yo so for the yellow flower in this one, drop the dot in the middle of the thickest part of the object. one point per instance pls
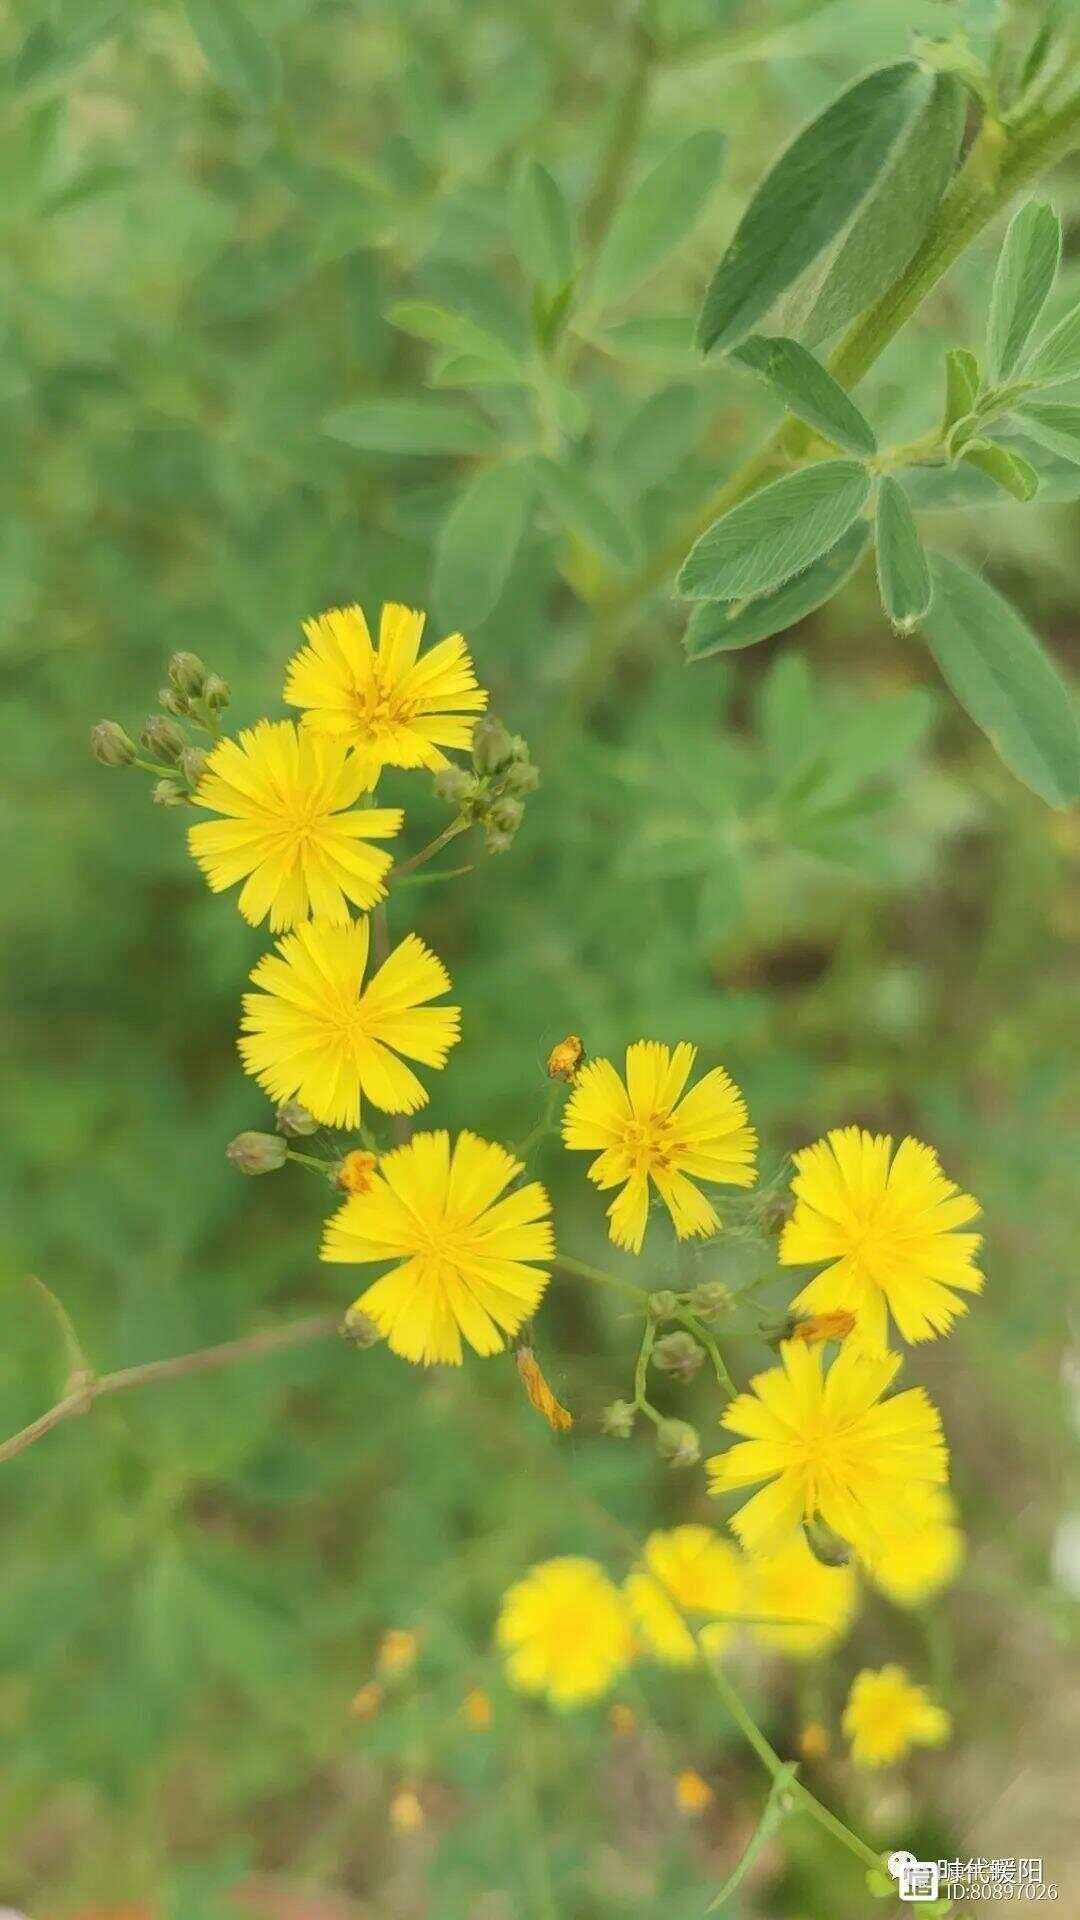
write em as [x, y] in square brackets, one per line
[813, 1741]
[398, 1650]
[406, 1811]
[792, 1585]
[702, 1574]
[395, 708]
[463, 1252]
[887, 1714]
[920, 1563]
[564, 1059]
[564, 1631]
[317, 1032]
[645, 1131]
[286, 832]
[476, 1710]
[692, 1793]
[829, 1446]
[355, 1171]
[887, 1231]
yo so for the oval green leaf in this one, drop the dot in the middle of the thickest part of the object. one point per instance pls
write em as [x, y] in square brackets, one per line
[657, 216]
[542, 227]
[805, 387]
[585, 512]
[1058, 358]
[903, 574]
[776, 533]
[1004, 467]
[723, 626]
[1026, 270]
[410, 426]
[479, 542]
[238, 54]
[961, 387]
[1053, 424]
[1001, 676]
[809, 196]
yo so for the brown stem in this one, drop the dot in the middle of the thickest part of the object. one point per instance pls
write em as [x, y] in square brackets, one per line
[251, 1346]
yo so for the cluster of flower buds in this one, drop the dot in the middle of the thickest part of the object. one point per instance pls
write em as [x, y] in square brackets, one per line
[493, 794]
[192, 694]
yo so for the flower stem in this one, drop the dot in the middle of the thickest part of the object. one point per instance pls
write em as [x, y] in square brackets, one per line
[441, 840]
[641, 1374]
[579, 1271]
[325, 1167]
[702, 1334]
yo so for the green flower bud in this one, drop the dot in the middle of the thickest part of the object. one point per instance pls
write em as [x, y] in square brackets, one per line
[520, 777]
[506, 815]
[678, 1443]
[712, 1299]
[169, 793]
[215, 692]
[519, 747]
[663, 1305]
[360, 1329]
[162, 737]
[294, 1120]
[492, 746]
[618, 1419]
[454, 785]
[110, 745]
[679, 1355]
[173, 702]
[193, 765]
[824, 1544]
[187, 673]
[496, 841]
[257, 1152]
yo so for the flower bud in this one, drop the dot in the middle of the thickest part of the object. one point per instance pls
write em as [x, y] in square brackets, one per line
[193, 764]
[618, 1419]
[294, 1120]
[824, 1544]
[187, 673]
[215, 692]
[506, 815]
[819, 1327]
[678, 1443]
[496, 841]
[359, 1328]
[353, 1174]
[257, 1152]
[172, 702]
[712, 1299]
[520, 777]
[565, 1059]
[406, 1812]
[162, 737]
[110, 745]
[663, 1305]
[169, 793]
[492, 745]
[454, 786]
[679, 1355]
[813, 1741]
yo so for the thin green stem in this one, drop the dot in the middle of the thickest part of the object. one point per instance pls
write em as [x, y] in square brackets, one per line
[641, 1374]
[701, 1333]
[325, 1167]
[433, 847]
[579, 1271]
[627, 111]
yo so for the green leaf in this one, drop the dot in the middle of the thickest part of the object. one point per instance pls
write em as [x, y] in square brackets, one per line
[903, 575]
[410, 426]
[657, 215]
[585, 512]
[239, 55]
[772, 1815]
[1006, 468]
[542, 227]
[776, 533]
[808, 390]
[809, 196]
[891, 222]
[666, 338]
[1058, 357]
[456, 331]
[658, 437]
[1000, 674]
[722, 626]
[961, 387]
[1026, 270]
[1053, 424]
[479, 542]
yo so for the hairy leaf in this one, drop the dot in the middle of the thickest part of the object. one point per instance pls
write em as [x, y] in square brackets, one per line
[1005, 467]
[410, 426]
[237, 51]
[722, 626]
[776, 533]
[961, 386]
[903, 575]
[804, 385]
[585, 512]
[1054, 424]
[1000, 674]
[657, 215]
[1058, 357]
[479, 542]
[1026, 270]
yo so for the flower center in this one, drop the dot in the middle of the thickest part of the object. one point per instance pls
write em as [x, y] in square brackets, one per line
[379, 705]
[651, 1143]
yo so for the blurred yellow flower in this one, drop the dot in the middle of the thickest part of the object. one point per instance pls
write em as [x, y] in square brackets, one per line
[286, 832]
[476, 1710]
[792, 1586]
[920, 1563]
[887, 1714]
[463, 1252]
[692, 1793]
[814, 1742]
[698, 1571]
[367, 1701]
[564, 1631]
[394, 707]
[830, 1447]
[406, 1811]
[317, 1032]
[398, 1650]
[355, 1171]
[886, 1225]
[644, 1131]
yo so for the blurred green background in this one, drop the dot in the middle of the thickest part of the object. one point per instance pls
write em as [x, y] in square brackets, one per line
[804, 859]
